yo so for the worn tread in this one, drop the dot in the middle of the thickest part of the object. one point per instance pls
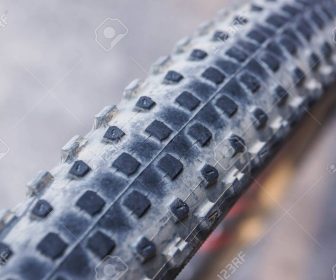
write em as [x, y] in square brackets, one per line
[157, 173]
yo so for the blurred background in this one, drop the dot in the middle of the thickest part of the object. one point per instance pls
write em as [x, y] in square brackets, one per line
[56, 73]
[54, 76]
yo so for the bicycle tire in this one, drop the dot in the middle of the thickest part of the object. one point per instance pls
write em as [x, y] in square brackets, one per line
[142, 191]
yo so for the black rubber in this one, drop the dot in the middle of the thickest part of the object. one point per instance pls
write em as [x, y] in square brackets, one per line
[137, 196]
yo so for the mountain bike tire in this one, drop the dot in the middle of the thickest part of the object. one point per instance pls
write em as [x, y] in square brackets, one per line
[137, 196]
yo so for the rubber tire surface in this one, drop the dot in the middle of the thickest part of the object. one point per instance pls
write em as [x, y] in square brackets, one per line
[137, 196]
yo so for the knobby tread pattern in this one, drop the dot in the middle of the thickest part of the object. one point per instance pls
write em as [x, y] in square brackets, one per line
[144, 189]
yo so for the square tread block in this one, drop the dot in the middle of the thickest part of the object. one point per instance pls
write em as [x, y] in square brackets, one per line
[213, 75]
[200, 133]
[317, 19]
[173, 77]
[145, 249]
[236, 54]
[271, 61]
[180, 209]
[170, 166]
[210, 173]
[256, 8]
[198, 54]
[227, 66]
[257, 36]
[299, 77]
[260, 118]
[5, 253]
[237, 144]
[326, 50]
[305, 29]
[91, 203]
[187, 100]
[293, 11]
[266, 30]
[288, 44]
[227, 105]
[52, 246]
[276, 20]
[126, 164]
[113, 134]
[145, 103]
[314, 61]
[79, 169]
[158, 130]
[42, 208]
[290, 33]
[275, 49]
[137, 203]
[248, 47]
[220, 36]
[100, 244]
[281, 95]
[250, 81]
